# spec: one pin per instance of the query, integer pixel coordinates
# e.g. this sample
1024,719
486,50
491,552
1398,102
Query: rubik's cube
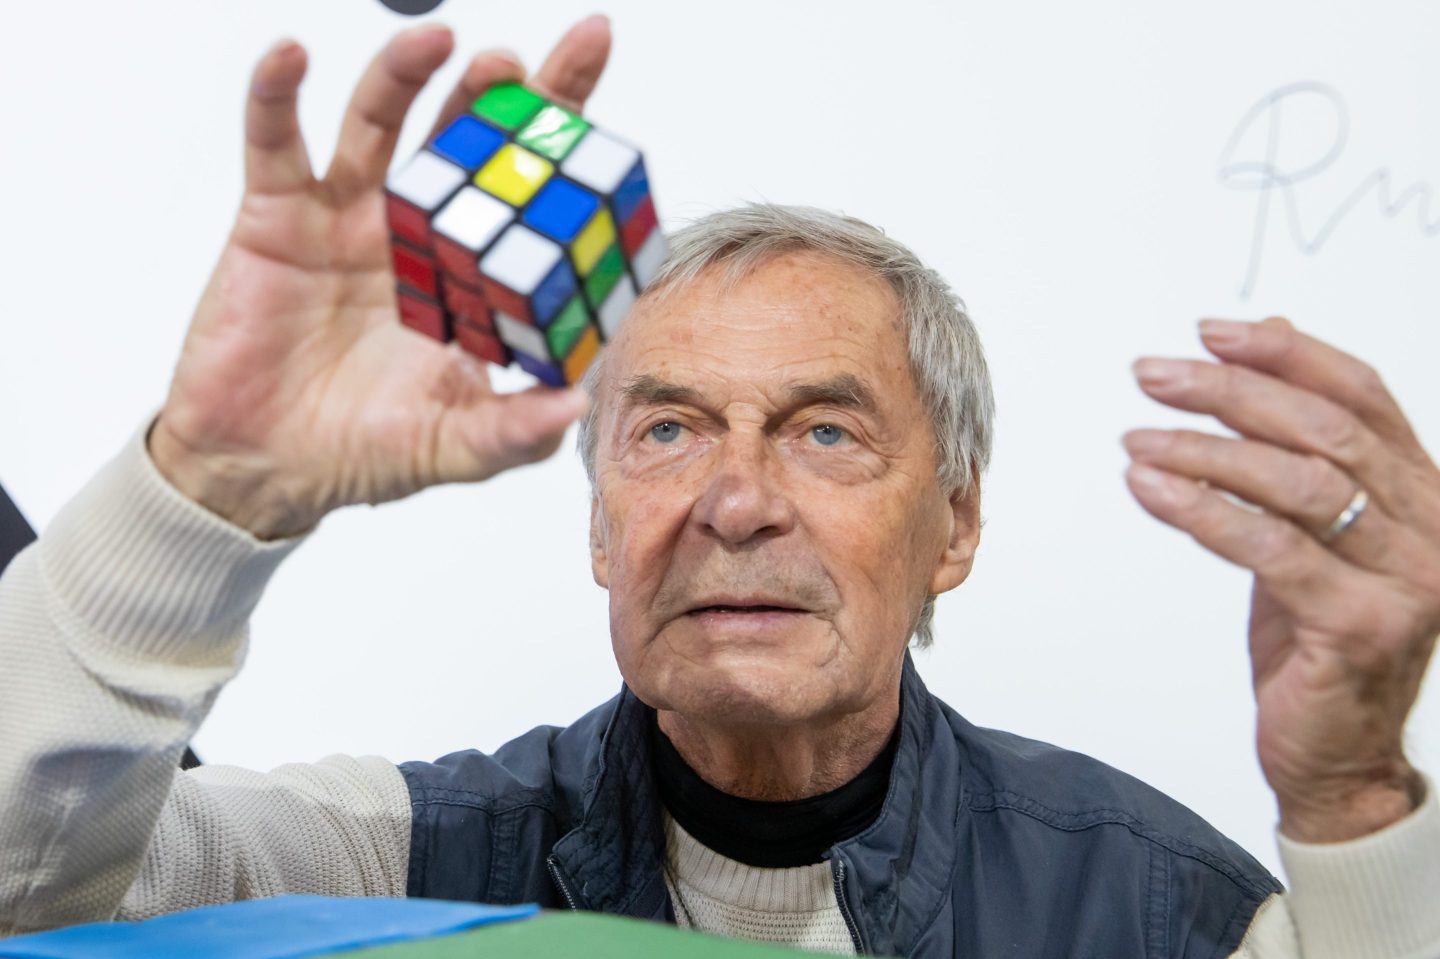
523,233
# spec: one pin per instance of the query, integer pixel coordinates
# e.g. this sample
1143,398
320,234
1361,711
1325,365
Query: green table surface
574,935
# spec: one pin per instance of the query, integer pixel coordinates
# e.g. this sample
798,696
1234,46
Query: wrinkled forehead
795,319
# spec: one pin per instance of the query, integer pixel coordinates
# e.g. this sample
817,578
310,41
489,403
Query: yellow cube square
593,241
514,174
581,354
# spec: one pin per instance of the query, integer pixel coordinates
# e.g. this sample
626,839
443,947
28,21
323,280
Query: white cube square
600,162
616,307
473,218
426,181
521,337
521,259
648,258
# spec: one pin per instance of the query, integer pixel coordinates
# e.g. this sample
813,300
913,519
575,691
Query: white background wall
1058,162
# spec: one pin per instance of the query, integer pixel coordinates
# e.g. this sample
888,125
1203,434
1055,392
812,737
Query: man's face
767,516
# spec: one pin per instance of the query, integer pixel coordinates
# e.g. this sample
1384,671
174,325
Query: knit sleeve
1370,898
118,628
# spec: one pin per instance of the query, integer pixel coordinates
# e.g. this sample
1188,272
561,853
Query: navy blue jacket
988,844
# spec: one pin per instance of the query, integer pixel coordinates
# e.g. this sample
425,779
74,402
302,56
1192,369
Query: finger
1298,571
378,106
1277,348
275,157
512,429
484,71
1264,408
1308,490
570,73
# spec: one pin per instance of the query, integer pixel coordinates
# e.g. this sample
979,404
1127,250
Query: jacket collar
896,873
613,861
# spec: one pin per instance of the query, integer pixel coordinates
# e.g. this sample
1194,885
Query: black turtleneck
770,834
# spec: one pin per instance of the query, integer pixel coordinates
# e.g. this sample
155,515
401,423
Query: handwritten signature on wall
1272,179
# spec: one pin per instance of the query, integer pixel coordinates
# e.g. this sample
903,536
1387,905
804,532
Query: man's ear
959,553
599,560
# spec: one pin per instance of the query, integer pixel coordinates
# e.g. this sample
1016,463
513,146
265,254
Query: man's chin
737,677
750,701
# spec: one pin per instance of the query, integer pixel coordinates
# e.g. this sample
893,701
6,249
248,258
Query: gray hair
945,354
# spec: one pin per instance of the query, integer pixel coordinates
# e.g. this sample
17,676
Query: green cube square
604,276
553,133
508,105
566,328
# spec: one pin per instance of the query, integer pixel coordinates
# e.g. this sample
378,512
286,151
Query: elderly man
785,444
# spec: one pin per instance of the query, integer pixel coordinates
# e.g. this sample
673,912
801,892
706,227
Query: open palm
1327,495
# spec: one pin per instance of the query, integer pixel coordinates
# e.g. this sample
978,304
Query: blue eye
828,435
665,432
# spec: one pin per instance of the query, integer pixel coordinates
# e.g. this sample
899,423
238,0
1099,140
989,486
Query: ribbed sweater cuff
1377,896
151,575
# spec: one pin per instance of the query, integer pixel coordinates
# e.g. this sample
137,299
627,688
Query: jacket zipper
838,876
559,882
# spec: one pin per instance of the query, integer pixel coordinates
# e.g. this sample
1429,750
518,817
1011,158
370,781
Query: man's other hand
298,390
1344,614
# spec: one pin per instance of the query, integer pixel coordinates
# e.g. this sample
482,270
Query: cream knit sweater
796,906
119,627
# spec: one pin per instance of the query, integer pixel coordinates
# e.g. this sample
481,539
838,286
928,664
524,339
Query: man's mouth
725,608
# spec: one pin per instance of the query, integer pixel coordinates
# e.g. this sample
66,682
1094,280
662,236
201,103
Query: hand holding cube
297,391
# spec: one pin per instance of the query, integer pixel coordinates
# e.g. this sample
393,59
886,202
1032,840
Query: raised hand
1346,603
298,391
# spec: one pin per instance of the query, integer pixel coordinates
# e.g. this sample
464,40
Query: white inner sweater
120,626
795,906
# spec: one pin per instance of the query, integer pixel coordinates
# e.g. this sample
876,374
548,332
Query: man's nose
745,497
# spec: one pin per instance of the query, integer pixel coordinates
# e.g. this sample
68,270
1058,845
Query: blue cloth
281,928
988,844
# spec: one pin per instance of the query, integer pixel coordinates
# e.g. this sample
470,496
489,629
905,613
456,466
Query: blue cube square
468,143
631,191
548,373
553,292
560,210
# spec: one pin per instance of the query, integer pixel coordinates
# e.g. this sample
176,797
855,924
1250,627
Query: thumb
512,429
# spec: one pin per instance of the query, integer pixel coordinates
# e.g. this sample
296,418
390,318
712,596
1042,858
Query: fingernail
433,33
1224,333
278,76
1157,374
1140,442
429,45
1161,485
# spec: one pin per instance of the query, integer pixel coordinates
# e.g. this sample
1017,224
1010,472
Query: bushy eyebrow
649,390
844,390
